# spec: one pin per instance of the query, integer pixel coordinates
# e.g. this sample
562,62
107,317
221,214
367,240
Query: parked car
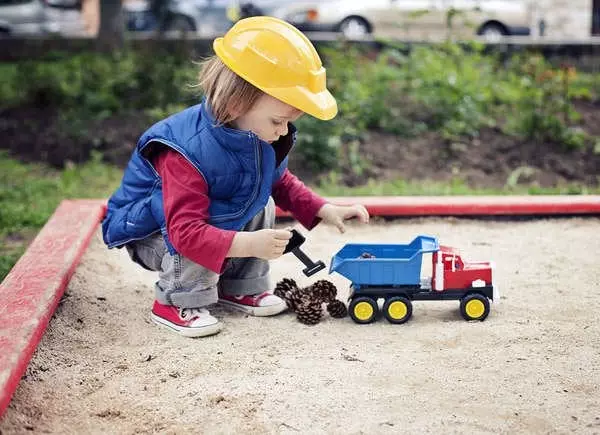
68,14
403,18
201,17
25,17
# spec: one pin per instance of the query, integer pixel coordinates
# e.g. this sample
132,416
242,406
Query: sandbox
531,367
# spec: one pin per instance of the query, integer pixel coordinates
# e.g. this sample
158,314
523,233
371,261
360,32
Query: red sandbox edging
31,291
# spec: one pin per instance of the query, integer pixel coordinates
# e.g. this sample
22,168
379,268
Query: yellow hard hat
278,59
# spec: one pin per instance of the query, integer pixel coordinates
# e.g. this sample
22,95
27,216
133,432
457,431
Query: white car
25,17
415,19
205,18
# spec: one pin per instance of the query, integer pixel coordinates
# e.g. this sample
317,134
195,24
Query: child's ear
234,111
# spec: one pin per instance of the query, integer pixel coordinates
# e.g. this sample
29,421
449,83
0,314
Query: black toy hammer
294,247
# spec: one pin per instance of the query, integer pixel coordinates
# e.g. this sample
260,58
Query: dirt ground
532,366
488,161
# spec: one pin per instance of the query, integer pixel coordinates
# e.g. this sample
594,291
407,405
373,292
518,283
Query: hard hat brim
321,105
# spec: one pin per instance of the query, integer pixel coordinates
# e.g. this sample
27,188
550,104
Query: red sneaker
189,322
261,305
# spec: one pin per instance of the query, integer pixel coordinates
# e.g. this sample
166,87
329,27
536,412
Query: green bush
99,85
457,90
541,107
452,89
319,143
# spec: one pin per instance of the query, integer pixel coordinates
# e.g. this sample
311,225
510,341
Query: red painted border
31,291
472,205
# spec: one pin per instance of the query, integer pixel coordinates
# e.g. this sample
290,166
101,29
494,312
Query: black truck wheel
363,310
474,307
397,309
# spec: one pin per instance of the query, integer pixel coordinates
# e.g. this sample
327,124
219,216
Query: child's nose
284,130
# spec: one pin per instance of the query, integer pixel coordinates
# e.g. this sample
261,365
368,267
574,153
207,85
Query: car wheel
493,32
354,27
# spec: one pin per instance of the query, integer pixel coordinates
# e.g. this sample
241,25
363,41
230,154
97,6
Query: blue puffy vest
239,169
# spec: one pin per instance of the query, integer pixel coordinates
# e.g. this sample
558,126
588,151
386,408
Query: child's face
268,118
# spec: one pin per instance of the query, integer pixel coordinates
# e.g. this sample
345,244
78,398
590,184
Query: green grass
29,193
332,187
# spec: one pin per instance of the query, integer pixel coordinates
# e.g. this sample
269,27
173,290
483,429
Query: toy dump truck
393,272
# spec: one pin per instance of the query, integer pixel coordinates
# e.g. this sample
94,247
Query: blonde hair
229,96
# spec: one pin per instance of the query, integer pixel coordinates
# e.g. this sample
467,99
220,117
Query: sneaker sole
203,331
270,310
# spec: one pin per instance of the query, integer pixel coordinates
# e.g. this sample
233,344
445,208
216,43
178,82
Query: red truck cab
450,272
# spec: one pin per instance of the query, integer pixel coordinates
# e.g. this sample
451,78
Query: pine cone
310,313
299,297
284,289
337,309
324,291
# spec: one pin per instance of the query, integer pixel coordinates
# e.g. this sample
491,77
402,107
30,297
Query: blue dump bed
383,264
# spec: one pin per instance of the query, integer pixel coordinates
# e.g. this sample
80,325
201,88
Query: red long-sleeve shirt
186,203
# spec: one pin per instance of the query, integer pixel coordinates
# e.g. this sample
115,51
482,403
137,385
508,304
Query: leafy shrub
542,108
450,88
99,85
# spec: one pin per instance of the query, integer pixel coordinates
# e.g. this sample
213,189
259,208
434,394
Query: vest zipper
257,161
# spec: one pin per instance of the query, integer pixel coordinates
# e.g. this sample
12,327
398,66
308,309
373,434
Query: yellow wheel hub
363,311
397,310
475,309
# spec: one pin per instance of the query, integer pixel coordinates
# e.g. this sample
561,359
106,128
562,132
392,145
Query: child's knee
148,253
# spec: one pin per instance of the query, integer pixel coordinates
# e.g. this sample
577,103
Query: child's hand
269,244
337,214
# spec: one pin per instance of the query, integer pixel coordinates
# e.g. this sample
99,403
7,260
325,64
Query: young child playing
197,199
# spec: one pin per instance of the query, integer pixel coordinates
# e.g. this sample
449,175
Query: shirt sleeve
292,195
186,203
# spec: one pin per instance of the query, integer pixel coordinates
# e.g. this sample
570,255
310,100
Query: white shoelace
190,313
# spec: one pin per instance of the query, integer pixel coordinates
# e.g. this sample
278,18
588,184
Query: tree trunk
112,24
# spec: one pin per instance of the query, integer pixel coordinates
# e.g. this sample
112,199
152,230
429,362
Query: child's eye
276,122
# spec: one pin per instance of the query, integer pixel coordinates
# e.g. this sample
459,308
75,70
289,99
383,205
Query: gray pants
186,284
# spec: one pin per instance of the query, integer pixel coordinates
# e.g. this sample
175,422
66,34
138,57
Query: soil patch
491,160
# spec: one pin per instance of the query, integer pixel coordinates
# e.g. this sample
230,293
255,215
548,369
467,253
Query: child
197,199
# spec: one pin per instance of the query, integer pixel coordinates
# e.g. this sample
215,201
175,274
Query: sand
532,366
